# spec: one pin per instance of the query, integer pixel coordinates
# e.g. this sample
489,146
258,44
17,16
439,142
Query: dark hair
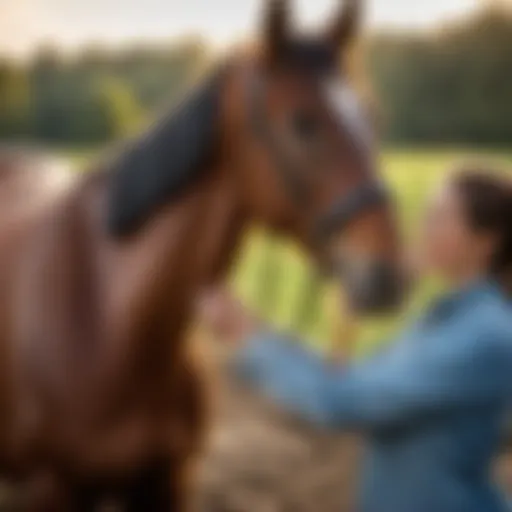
487,198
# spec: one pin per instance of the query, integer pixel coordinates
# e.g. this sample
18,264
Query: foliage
297,301
95,97
450,86
14,101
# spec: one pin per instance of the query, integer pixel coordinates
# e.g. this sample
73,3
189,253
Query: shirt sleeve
405,384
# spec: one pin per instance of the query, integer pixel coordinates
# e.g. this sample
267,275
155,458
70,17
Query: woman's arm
406,383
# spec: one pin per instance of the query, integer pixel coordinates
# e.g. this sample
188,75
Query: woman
431,405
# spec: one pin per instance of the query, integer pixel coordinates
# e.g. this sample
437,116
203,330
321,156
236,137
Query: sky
26,23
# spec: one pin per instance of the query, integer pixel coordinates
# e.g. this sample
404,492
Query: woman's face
448,247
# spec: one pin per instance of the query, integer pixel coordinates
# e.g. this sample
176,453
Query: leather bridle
343,211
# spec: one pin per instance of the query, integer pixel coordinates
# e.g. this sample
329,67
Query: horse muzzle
372,286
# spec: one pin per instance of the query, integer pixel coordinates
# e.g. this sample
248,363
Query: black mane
157,166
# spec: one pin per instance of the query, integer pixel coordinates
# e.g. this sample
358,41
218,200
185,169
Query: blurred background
76,76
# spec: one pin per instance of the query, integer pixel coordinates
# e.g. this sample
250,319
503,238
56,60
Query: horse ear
346,24
276,28
158,166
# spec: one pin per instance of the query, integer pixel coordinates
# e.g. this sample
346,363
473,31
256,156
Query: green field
276,280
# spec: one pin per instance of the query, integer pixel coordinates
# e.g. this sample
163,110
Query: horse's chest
160,412
156,422
154,428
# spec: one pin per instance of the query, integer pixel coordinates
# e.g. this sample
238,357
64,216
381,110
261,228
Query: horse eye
305,125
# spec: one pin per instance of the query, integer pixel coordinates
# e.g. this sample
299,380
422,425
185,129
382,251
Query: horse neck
216,225
189,245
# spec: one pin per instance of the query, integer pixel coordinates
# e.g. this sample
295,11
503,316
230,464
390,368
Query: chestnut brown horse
98,394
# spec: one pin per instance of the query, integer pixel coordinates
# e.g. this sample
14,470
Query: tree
14,101
116,111
453,86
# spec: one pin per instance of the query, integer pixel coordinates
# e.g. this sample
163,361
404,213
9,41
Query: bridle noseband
342,212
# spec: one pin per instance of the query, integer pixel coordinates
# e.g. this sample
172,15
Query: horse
100,397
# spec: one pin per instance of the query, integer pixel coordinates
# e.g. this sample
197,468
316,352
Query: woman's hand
221,313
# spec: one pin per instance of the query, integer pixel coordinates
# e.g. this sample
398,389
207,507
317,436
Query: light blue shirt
432,405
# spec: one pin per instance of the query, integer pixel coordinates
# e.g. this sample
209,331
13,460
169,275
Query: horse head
293,137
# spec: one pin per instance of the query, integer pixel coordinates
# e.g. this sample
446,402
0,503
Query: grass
275,279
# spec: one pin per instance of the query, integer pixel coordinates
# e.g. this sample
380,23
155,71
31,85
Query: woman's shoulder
490,319
478,319
496,309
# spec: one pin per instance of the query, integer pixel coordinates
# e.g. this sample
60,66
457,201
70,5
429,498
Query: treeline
450,86
96,96
454,86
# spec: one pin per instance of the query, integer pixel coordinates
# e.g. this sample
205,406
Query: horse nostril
379,288
388,286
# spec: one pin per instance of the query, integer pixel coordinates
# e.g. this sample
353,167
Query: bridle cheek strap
261,127
344,211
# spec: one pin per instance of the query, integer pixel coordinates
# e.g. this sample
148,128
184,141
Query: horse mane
158,166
